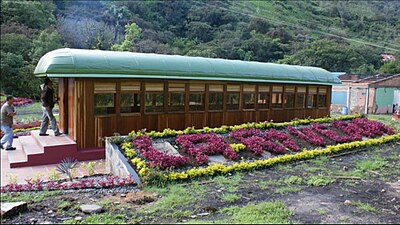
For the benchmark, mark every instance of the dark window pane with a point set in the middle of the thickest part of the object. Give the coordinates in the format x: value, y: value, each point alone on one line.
x: 154, y: 102
x: 215, y: 100
x: 176, y: 101
x: 276, y: 100
x: 312, y: 101
x: 232, y: 101
x: 248, y: 100
x: 289, y: 100
x: 104, y: 104
x: 321, y: 100
x: 130, y: 102
x: 196, y: 102
x: 263, y: 100
x: 300, y: 100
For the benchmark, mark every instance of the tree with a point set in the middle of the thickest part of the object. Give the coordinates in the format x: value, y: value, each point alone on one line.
x: 46, y: 41
x: 200, y: 31
x: 132, y: 32
x: 334, y: 56
x: 18, y: 44
x: 85, y: 33
x: 10, y: 66
x: 392, y: 67
x: 34, y: 14
x: 117, y: 16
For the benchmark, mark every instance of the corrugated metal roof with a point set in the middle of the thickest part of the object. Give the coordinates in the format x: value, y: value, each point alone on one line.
x: 108, y: 64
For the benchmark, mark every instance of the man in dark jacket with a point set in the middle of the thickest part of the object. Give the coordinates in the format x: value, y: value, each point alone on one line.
x: 48, y: 101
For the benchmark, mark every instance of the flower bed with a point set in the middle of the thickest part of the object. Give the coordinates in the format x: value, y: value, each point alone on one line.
x: 19, y: 101
x: 195, y: 146
x: 40, y: 185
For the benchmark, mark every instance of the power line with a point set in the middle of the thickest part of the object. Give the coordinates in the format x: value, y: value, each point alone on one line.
x: 292, y: 25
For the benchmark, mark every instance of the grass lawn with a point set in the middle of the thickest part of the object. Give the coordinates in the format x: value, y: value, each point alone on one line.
x: 32, y: 112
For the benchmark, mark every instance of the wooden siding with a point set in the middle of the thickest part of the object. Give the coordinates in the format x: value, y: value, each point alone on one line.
x: 88, y: 129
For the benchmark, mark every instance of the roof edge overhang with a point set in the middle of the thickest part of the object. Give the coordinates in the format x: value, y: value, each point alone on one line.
x: 205, y: 78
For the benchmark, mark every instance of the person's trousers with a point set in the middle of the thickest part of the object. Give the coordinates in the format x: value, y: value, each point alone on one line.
x: 48, y: 116
x: 8, y: 136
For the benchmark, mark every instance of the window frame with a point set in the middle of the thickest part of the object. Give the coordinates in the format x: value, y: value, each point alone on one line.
x: 286, y: 93
x: 197, y: 92
x: 183, y: 92
x: 281, y: 94
x: 244, y: 92
x: 314, y: 95
x: 305, y: 97
x: 112, y: 91
x: 233, y: 92
x: 326, y: 98
x: 145, y: 92
x: 139, y: 92
x: 209, y: 92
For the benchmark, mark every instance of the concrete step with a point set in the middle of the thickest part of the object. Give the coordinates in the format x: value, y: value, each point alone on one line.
x: 30, y: 146
x: 51, y: 140
x: 17, y: 156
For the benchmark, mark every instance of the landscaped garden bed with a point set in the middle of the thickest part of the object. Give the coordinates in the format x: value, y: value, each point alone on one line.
x: 179, y: 155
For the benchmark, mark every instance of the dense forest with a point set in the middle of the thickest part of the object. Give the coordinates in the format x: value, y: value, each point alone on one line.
x: 336, y: 35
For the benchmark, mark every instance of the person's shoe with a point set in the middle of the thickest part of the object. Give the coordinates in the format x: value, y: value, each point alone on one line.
x: 43, y: 134
x: 1, y: 147
x: 58, y: 134
x: 11, y: 149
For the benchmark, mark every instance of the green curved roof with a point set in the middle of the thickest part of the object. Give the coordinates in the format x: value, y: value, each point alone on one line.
x: 108, y: 64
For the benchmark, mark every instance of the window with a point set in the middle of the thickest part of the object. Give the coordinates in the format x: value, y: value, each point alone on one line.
x: 289, y: 97
x: 215, y: 96
x: 196, y: 97
x: 249, y: 94
x: 154, y: 97
x: 176, y: 97
x: 312, y: 97
x: 263, y: 97
x: 232, y: 97
x: 301, y: 97
x: 322, y: 97
x: 277, y: 97
x: 104, y: 98
x: 130, y: 97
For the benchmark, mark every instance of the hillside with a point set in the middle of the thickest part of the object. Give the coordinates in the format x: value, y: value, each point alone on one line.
x: 335, y: 35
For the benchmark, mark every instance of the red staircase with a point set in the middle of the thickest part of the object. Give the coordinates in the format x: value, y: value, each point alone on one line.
x: 42, y: 150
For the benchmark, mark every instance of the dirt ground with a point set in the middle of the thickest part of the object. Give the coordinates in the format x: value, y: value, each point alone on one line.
x: 361, y: 187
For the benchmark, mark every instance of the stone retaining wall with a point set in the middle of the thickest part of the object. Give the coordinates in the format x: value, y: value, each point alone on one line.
x: 117, y: 164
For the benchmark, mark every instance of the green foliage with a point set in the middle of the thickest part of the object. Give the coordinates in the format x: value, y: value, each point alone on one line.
x: 28, y: 197
x: 264, y: 212
x: 392, y: 67
x: 34, y: 14
x: 371, y: 164
x: 174, y: 196
x: 46, y: 41
x: 155, y: 177
x: 365, y: 207
x: 90, y: 166
x: 18, y: 44
x: 293, y: 180
x: 285, y: 190
x: 132, y: 32
x: 319, y: 180
x: 334, y: 56
x: 53, y: 175
x: 293, y: 32
x: 230, y: 197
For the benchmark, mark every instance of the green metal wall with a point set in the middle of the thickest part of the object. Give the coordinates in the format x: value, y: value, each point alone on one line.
x: 384, y: 97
